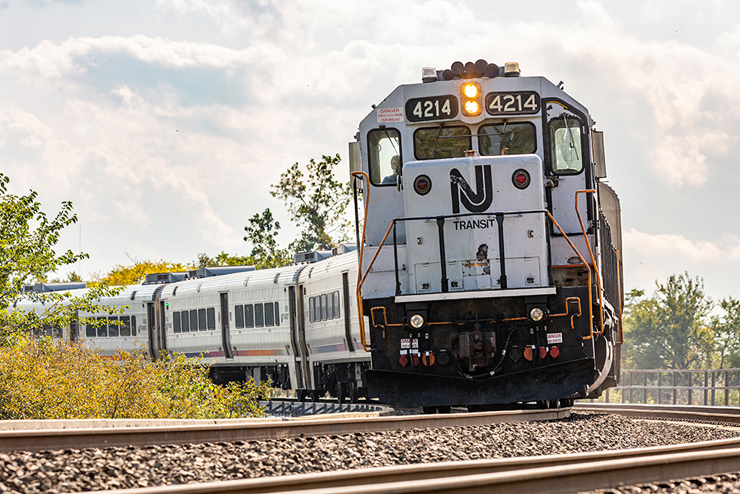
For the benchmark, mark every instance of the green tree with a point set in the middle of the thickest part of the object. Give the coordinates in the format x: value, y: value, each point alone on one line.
x: 669, y: 329
x: 223, y: 259
x: 726, y: 331
x: 262, y: 233
x: 122, y: 275
x: 28, y: 237
x: 317, y: 203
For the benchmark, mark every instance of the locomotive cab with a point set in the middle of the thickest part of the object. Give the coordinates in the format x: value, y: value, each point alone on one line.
x: 488, y: 270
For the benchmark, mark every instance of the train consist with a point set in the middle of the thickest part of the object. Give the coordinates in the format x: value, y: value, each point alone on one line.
x: 487, y: 272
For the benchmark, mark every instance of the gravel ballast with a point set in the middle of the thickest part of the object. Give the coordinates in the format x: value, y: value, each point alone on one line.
x: 115, y: 468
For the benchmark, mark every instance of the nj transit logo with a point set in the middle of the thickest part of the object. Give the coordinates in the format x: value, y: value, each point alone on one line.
x: 475, y: 202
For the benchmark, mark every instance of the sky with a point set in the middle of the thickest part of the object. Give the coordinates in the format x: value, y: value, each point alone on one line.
x: 165, y: 122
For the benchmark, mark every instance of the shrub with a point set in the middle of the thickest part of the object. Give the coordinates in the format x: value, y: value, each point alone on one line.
x: 52, y: 379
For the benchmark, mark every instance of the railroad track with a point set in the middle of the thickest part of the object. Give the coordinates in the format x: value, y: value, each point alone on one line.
x: 725, y: 415
x: 551, y: 474
x: 174, y: 432
x: 558, y: 473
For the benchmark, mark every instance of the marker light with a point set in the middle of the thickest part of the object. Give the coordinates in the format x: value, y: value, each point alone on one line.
x: 521, y: 179
x: 470, y: 90
x: 422, y: 185
x: 416, y: 321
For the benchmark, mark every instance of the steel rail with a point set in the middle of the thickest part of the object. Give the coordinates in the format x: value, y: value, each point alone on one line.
x: 39, y: 440
x: 729, y: 415
x: 553, y: 473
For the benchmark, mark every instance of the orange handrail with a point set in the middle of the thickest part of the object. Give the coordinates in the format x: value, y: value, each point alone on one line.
x: 366, y: 192
x: 593, y: 260
x: 588, y: 268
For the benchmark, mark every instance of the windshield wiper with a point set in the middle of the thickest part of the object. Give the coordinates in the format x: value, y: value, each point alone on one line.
x: 436, y: 139
x: 572, y: 142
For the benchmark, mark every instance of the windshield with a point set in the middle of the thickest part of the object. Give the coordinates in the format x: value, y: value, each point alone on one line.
x: 507, y: 138
x: 441, y: 142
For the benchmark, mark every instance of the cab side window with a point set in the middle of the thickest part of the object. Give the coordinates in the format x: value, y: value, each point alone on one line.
x: 566, y: 148
x: 384, y: 154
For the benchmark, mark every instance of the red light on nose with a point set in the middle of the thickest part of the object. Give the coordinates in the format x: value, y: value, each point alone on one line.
x: 422, y: 184
x: 520, y: 179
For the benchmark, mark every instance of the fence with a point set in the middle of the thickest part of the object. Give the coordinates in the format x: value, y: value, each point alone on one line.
x: 677, y: 387
x: 284, y: 408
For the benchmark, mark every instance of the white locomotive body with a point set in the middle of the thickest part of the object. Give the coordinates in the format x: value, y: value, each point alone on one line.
x: 491, y: 248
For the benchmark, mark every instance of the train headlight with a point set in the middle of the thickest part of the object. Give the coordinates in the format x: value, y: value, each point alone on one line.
x: 416, y: 321
x: 471, y: 98
x: 536, y: 314
x: 521, y: 179
x: 470, y: 90
x: 472, y: 107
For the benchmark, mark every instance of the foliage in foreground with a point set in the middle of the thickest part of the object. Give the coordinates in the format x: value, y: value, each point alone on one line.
x: 28, y: 238
x: 44, y: 379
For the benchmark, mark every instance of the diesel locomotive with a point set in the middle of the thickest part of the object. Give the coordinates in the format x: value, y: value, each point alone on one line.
x: 490, y: 244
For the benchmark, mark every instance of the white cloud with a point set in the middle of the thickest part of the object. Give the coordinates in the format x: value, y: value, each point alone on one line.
x: 54, y: 61
x: 679, y: 248
x: 654, y: 257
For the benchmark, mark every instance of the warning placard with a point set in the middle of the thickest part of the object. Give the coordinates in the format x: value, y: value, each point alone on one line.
x: 389, y: 115
x: 553, y: 338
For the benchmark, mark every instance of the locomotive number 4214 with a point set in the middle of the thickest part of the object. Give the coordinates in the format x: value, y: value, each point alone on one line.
x: 519, y: 103
x: 431, y: 108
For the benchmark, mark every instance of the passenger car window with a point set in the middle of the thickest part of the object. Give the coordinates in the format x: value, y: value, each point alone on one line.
x: 112, y: 327
x: 239, y: 316
x: 336, y: 305
x: 103, y: 328
x: 184, y: 315
x: 176, y: 322
x: 323, y: 307
x: 277, y: 314
x: 269, y: 315
x: 441, y: 142
x: 248, y: 316
x: 201, y: 319
x: 193, y: 320
x: 211, y: 316
x: 126, y: 327
x: 259, y: 319
x: 383, y: 146
x: 311, y: 308
x: 507, y: 138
